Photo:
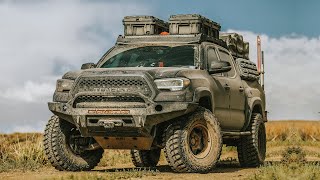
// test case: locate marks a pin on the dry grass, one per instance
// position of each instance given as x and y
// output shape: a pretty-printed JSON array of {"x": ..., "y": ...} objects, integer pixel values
[
  {"x": 286, "y": 130},
  {"x": 295, "y": 142},
  {"x": 293, "y": 165},
  {"x": 24, "y": 151},
  {"x": 21, "y": 151},
  {"x": 115, "y": 157},
  {"x": 284, "y": 172}
]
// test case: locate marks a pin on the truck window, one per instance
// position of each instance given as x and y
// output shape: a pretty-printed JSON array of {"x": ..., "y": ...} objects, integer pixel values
[
  {"x": 224, "y": 56},
  {"x": 153, "y": 56},
  {"x": 212, "y": 56}
]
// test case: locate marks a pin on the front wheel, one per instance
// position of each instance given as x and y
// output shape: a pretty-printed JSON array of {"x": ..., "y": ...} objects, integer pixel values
[
  {"x": 66, "y": 149},
  {"x": 193, "y": 144}
]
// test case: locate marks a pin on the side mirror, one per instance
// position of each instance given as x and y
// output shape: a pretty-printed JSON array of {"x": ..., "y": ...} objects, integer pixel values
[
  {"x": 219, "y": 67},
  {"x": 88, "y": 66}
]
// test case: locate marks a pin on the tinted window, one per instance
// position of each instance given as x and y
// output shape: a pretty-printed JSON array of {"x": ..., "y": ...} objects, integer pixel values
[
  {"x": 153, "y": 56},
  {"x": 212, "y": 55},
  {"x": 224, "y": 56}
]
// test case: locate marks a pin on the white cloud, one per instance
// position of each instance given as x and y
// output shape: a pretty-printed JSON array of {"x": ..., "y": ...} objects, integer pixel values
[
  {"x": 30, "y": 92},
  {"x": 41, "y": 40},
  {"x": 292, "y": 74},
  {"x": 37, "y": 36}
]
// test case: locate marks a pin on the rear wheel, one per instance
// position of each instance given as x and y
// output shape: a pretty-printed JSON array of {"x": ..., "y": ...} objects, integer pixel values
[
  {"x": 66, "y": 149},
  {"x": 252, "y": 149},
  {"x": 193, "y": 144},
  {"x": 145, "y": 158}
]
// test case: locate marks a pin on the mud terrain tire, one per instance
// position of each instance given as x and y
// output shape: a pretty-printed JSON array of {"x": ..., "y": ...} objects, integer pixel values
[
  {"x": 193, "y": 143},
  {"x": 58, "y": 149},
  {"x": 145, "y": 158},
  {"x": 252, "y": 149}
]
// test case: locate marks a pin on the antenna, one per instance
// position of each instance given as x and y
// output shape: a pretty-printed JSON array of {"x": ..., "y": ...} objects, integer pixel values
[
  {"x": 259, "y": 53},
  {"x": 262, "y": 69},
  {"x": 260, "y": 62}
]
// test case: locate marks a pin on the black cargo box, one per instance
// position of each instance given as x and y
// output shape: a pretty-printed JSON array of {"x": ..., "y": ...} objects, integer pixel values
[
  {"x": 193, "y": 24},
  {"x": 144, "y": 25}
]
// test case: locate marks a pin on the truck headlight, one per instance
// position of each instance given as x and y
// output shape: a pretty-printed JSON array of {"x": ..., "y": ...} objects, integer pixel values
[
  {"x": 172, "y": 84},
  {"x": 64, "y": 85}
]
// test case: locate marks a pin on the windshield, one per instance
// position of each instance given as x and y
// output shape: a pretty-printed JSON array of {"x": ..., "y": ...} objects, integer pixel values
[{"x": 153, "y": 56}]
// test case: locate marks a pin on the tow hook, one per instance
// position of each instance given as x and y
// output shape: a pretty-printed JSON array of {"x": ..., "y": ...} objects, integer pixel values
[{"x": 109, "y": 124}]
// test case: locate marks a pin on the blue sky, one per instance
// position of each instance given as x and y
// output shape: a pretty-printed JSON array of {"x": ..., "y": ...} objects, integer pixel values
[
  {"x": 272, "y": 17},
  {"x": 266, "y": 16},
  {"x": 40, "y": 40}
]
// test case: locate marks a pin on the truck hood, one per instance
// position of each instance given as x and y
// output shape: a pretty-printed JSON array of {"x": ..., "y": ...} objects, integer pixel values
[{"x": 154, "y": 72}]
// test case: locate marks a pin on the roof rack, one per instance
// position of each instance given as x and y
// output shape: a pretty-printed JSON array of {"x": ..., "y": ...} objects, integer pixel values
[
  {"x": 183, "y": 24},
  {"x": 174, "y": 39}
]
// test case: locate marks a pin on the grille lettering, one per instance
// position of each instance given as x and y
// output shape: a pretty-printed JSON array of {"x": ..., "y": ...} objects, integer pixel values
[
  {"x": 107, "y": 111},
  {"x": 111, "y": 89}
]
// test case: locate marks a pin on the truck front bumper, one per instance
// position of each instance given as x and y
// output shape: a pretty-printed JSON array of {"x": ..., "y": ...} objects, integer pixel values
[{"x": 114, "y": 124}]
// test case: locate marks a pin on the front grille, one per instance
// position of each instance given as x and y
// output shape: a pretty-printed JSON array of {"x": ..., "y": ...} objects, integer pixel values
[
  {"x": 94, "y": 98},
  {"x": 113, "y": 84}
]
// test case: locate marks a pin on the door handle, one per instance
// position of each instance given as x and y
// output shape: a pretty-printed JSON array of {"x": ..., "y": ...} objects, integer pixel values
[
  {"x": 241, "y": 89},
  {"x": 227, "y": 87}
]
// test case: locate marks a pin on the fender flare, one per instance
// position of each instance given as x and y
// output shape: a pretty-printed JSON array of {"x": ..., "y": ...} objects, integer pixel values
[
  {"x": 203, "y": 92},
  {"x": 251, "y": 103}
]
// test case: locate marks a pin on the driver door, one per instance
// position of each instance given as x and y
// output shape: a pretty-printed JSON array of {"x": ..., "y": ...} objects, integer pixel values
[
  {"x": 221, "y": 93},
  {"x": 236, "y": 93}
]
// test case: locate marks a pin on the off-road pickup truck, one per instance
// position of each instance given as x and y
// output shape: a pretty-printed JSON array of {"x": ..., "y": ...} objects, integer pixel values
[{"x": 178, "y": 86}]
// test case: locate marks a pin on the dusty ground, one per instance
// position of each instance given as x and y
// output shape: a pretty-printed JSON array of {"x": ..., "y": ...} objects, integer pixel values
[
  {"x": 227, "y": 169},
  {"x": 164, "y": 172}
]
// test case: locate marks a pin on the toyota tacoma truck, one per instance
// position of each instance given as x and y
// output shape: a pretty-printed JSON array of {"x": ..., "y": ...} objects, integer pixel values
[{"x": 179, "y": 86}]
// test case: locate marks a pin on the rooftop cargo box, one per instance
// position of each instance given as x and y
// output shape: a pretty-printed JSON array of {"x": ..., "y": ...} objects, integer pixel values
[
  {"x": 144, "y": 25},
  {"x": 193, "y": 24},
  {"x": 235, "y": 43}
]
